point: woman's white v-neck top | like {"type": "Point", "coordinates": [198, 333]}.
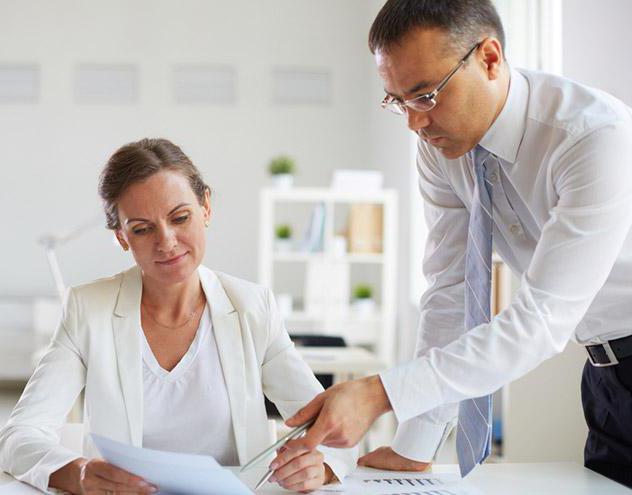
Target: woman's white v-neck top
{"type": "Point", "coordinates": [187, 409]}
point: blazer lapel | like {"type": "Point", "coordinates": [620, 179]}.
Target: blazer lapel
{"type": "Point", "coordinates": [126, 326]}
{"type": "Point", "coordinates": [227, 329]}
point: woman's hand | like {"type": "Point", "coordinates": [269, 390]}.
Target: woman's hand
{"type": "Point", "coordinates": [85, 477]}
{"type": "Point", "coordinates": [300, 470]}
{"type": "Point", "coordinates": [98, 476]}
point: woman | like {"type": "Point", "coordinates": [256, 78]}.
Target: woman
{"type": "Point", "coordinates": [170, 354]}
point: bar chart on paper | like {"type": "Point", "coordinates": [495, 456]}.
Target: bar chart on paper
{"type": "Point", "coordinates": [391, 483]}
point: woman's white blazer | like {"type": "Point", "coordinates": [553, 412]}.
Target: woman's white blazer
{"type": "Point", "coordinates": [97, 348]}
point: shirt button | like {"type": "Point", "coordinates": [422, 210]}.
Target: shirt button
{"type": "Point", "coordinates": [515, 229]}
{"type": "Point", "coordinates": [493, 177]}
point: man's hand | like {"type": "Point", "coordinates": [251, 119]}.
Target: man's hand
{"type": "Point", "coordinates": [387, 459]}
{"type": "Point", "coordinates": [343, 414]}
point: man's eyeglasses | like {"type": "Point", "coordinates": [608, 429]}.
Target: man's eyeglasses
{"type": "Point", "coordinates": [426, 101]}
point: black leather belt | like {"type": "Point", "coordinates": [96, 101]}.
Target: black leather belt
{"type": "Point", "coordinates": [611, 352]}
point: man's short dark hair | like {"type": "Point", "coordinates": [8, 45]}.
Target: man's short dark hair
{"type": "Point", "coordinates": [465, 21]}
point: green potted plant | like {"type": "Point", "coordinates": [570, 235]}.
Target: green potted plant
{"type": "Point", "coordinates": [283, 238]}
{"type": "Point", "coordinates": [363, 302]}
{"type": "Point", "coordinates": [282, 170]}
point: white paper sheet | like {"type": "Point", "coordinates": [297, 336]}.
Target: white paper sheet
{"type": "Point", "coordinates": [172, 472]}
{"type": "Point", "coordinates": [398, 483]}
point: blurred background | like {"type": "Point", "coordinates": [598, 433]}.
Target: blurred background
{"type": "Point", "coordinates": [237, 84]}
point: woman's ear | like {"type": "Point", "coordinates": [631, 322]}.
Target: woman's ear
{"type": "Point", "coordinates": [121, 240]}
{"type": "Point", "coordinates": [206, 207]}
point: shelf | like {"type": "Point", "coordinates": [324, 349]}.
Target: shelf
{"type": "Point", "coordinates": [349, 258]}
{"type": "Point", "coordinates": [351, 316]}
{"type": "Point", "coordinates": [290, 268]}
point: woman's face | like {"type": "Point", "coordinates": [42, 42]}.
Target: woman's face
{"type": "Point", "coordinates": [162, 222]}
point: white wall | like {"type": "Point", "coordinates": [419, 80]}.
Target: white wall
{"type": "Point", "coordinates": [596, 45]}
{"type": "Point", "coordinates": [52, 151]}
{"type": "Point", "coordinates": [392, 149]}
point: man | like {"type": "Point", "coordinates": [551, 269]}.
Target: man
{"type": "Point", "coordinates": [539, 164]}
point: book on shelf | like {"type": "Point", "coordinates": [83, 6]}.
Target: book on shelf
{"type": "Point", "coordinates": [365, 228]}
{"type": "Point", "coordinates": [313, 238]}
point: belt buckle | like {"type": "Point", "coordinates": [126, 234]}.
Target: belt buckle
{"type": "Point", "coordinates": [609, 353]}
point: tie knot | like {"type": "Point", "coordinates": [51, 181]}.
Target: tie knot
{"type": "Point", "coordinates": [479, 155]}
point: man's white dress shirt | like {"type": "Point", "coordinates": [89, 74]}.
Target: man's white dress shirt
{"type": "Point", "coordinates": [562, 189]}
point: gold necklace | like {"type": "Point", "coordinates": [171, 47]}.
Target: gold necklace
{"type": "Point", "coordinates": [186, 322]}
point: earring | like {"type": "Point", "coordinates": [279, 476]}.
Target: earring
{"type": "Point", "coordinates": [206, 223]}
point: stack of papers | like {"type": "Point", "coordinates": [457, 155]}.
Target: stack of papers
{"type": "Point", "coordinates": [172, 472]}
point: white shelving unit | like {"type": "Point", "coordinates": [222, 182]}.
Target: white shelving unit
{"type": "Point", "coordinates": [376, 331]}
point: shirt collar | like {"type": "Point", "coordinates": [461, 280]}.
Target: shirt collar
{"type": "Point", "coordinates": [504, 136]}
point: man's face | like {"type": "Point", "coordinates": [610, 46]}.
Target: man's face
{"type": "Point", "coordinates": [467, 105]}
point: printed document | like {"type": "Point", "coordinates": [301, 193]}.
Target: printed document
{"type": "Point", "coordinates": [172, 472]}
{"type": "Point", "coordinates": [374, 482]}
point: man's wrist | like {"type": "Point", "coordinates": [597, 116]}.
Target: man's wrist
{"type": "Point", "coordinates": [380, 396]}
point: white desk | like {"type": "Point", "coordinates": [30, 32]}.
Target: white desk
{"type": "Point", "coordinates": [564, 478]}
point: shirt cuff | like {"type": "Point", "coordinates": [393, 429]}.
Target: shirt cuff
{"type": "Point", "coordinates": [341, 461]}
{"type": "Point", "coordinates": [39, 477]}
{"type": "Point", "coordinates": [411, 389]}
{"type": "Point", "coordinates": [338, 467]}
{"type": "Point", "coordinates": [421, 440]}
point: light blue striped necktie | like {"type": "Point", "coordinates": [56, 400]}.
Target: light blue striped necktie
{"type": "Point", "coordinates": [474, 434]}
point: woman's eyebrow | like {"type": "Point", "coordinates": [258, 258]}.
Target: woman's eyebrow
{"type": "Point", "coordinates": [179, 206]}
{"type": "Point", "coordinates": [145, 220]}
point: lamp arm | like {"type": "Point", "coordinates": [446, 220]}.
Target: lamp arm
{"type": "Point", "coordinates": [53, 264]}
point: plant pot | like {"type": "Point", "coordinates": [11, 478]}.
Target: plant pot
{"type": "Point", "coordinates": [363, 307]}
{"type": "Point", "coordinates": [283, 245]}
{"type": "Point", "coordinates": [283, 181]}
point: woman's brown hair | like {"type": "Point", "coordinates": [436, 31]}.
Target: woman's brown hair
{"type": "Point", "coordinates": [135, 162]}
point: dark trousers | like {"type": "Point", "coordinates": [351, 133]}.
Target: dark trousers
{"type": "Point", "coordinates": [607, 401]}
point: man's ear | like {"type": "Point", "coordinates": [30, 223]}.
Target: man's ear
{"type": "Point", "coordinates": [121, 240]}
{"type": "Point", "coordinates": [492, 57]}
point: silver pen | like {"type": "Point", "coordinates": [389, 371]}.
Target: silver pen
{"type": "Point", "coordinates": [295, 433]}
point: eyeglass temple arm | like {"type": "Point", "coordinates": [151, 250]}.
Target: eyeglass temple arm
{"type": "Point", "coordinates": [458, 66]}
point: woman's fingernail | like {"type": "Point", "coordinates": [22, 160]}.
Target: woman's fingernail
{"type": "Point", "coordinates": [274, 465]}
{"type": "Point", "coordinates": [272, 479]}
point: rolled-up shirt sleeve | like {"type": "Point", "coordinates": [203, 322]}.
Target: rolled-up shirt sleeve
{"type": "Point", "coordinates": [577, 249]}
